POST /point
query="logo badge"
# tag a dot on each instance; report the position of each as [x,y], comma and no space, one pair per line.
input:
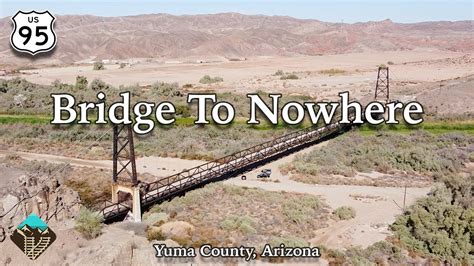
[33,32]
[33,236]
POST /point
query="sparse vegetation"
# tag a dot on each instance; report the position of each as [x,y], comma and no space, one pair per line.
[344,213]
[183,111]
[380,253]
[122,65]
[284,75]
[244,224]
[416,153]
[209,80]
[154,233]
[81,83]
[89,193]
[289,76]
[88,223]
[166,89]
[99,85]
[215,221]
[279,73]
[441,224]
[98,66]
[332,71]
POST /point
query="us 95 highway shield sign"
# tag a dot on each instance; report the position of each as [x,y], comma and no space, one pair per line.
[33,32]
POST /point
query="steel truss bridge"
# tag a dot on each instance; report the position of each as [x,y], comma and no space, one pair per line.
[226,167]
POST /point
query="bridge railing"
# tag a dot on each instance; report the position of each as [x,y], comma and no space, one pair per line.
[235,161]
[207,172]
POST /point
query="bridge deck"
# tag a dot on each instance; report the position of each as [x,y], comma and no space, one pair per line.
[225,167]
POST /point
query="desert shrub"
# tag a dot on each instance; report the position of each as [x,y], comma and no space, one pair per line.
[380,253]
[248,223]
[99,85]
[244,224]
[209,80]
[390,63]
[154,233]
[441,224]
[90,194]
[344,213]
[89,223]
[98,66]
[300,212]
[418,152]
[10,157]
[81,83]
[279,73]
[166,89]
[122,65]
[289,76]
[332,71]
[183,111]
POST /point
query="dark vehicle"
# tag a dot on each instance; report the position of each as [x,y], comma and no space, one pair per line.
[265,173]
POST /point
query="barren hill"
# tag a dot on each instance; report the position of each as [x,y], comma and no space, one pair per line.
[234,35]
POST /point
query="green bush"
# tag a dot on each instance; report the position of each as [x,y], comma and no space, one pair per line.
[441,224]
[380,253]
[418,152]
[99,85]
[344,213]
[289,76]
[81,83]
[332,71]
[183,111]
[208,80]
[166,89]
[98,66]
[301,211]
[89,223]
[244,224]
[279,73]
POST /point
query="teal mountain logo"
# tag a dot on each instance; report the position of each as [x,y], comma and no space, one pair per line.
[33,236]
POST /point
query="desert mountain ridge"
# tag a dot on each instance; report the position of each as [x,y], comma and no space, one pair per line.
[232,35]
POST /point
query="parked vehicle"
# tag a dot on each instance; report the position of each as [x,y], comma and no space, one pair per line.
[265,173]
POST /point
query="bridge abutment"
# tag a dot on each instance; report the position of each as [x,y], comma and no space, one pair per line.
[134,191]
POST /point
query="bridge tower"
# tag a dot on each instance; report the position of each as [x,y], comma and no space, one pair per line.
[382,88]
[124,176]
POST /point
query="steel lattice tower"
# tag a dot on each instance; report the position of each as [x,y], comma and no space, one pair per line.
[382,88]
[124,155]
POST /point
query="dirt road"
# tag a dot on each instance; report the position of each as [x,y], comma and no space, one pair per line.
[375,206]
